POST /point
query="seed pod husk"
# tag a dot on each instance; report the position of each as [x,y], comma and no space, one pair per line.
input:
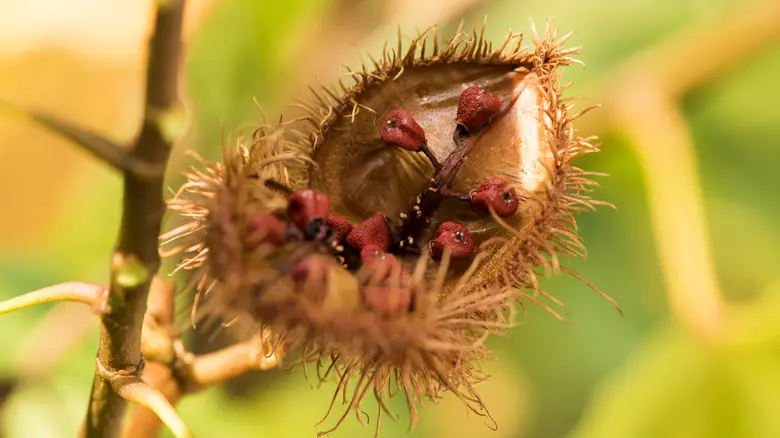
[421,327]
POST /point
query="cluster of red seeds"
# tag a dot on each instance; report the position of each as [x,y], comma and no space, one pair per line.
[369,246]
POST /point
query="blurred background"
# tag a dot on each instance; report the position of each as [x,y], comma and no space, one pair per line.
[691,254]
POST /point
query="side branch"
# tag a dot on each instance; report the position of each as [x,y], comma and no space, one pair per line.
[233,361]
[176,372]
[86,293]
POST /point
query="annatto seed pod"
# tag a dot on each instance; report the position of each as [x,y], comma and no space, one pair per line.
[343,297]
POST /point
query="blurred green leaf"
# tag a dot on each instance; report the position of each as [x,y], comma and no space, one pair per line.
[244,51]
[673,387]
[676,387]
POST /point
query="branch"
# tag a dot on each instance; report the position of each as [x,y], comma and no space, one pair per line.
[142,422]
[197,372]
[233,361]
[181,373]
[136,260]
[86,293]
[164,353]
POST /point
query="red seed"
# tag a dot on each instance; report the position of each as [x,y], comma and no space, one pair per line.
[400,129]
[265,228]
[371,253]
[387,300]
[454,237]
[494,193]
[340,226]
[378,264]
[371,231]
[307,205]
[310,275]
[476,107]
[400,278]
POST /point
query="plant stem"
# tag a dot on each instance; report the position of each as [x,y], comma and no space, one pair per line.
[136,259]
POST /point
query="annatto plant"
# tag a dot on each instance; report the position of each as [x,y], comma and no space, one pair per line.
[387,234]
[382,238]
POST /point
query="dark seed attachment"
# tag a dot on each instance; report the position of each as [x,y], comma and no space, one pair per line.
[476,108]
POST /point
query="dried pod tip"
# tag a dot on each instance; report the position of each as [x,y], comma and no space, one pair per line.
[476,108]
[265,228]
[454,237]
[371,231]
[400,129]
[387,300]
[308,210]
[339,226]
[494,193]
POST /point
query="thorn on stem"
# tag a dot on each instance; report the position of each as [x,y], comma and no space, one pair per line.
[132,388]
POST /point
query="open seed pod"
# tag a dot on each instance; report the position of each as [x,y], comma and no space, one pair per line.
[464,134]
[388,234]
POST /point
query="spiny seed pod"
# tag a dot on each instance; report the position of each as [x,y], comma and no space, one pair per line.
[359,327]
[454,238]
[495,193]
[476,108]
[400,129]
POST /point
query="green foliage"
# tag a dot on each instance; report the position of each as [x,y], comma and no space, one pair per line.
[675,387]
